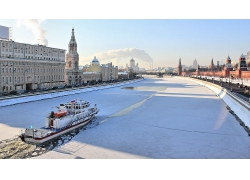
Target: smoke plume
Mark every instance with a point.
(35, 26)
(125, 53)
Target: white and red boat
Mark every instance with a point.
(69, 116)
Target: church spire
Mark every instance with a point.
(72, 42)
(73, 36)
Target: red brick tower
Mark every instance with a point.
(198, 70)
(228, 67)
(242, 63)
(242, 66)
(179, 68)
(212, 65)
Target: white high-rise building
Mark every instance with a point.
(195, 64)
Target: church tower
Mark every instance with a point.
(72, 73)
(179, 68)
(72, 57)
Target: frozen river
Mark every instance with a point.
(162, 118)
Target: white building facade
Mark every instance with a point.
(27, 67)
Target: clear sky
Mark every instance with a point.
(160, 40)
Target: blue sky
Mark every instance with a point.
(164, 40)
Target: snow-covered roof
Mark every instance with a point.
(242, 56)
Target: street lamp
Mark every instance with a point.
(14, 79)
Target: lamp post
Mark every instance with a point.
(230, 83)
(14, 79)
(24, 76)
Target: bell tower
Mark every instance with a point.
(72, 62)
(72, 57)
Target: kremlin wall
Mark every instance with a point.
(226, 72)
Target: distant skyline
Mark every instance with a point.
(162, 41)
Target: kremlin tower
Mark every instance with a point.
(179, 68)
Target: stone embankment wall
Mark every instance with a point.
(37, 97)
(240, 107)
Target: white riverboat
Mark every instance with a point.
(69, 116)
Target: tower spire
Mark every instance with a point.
(179, 68)
(73, 35)
(72, 42)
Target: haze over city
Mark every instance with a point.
(161, 41)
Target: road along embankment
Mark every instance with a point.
(41, 96)
(238, 107)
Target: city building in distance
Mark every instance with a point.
(240, 69)
(132, 66)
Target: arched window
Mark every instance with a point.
(69, 63)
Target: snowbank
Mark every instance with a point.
(241, 108)
(29, 98)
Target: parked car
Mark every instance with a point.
(5, 94)
(36, 90)
(27, 91)
(13, 92)
(55, 87)
(61, 87)
(45, 89)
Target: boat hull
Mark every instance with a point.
(58, 133)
